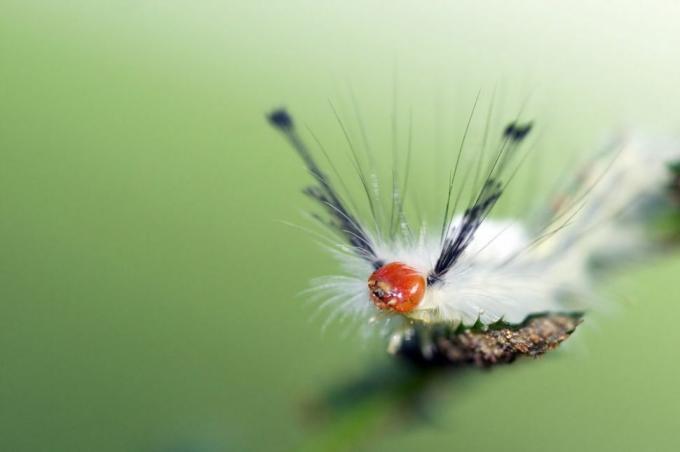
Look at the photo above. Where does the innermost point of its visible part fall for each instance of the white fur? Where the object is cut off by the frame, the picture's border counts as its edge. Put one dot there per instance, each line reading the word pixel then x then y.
pixel 512 270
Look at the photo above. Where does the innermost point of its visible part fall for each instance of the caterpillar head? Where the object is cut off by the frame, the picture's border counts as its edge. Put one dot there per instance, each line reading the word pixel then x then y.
pixel 396 287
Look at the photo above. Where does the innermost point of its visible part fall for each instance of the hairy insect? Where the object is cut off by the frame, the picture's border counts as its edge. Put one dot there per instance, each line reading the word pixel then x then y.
pixel 477 272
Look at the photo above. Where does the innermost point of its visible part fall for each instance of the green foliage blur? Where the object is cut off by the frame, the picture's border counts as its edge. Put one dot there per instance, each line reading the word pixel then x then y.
pixel 148 291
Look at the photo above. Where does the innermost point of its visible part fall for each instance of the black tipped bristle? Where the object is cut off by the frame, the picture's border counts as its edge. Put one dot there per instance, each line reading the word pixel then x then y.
pixel 280 119
pixel 324 193
pixel 517 132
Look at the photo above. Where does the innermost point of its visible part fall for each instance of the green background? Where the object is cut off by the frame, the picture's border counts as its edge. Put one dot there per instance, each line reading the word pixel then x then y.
pixel 148 295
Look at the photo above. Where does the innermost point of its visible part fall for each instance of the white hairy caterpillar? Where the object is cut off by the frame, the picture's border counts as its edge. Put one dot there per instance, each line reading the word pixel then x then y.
pixel 477 272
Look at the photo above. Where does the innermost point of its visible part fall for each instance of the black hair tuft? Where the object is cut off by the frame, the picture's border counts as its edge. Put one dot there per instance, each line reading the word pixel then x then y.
pixel 280 119
pixel 517 132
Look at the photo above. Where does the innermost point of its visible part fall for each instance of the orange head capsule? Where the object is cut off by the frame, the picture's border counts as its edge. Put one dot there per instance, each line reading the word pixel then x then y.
pixel 397 287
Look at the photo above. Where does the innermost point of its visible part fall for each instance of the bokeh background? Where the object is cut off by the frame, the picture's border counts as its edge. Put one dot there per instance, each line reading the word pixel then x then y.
pixel 148 295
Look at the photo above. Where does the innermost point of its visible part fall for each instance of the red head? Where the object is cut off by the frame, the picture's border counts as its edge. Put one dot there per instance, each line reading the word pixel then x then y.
pixel 396 287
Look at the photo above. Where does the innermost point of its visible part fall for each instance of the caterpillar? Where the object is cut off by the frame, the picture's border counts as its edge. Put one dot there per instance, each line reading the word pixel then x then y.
pixel 481 289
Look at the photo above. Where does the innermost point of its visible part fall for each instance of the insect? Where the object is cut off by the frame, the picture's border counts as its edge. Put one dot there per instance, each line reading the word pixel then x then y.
pixel 436 292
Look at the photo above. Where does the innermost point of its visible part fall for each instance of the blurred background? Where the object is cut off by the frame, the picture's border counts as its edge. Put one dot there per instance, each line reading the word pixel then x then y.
pixel 149 295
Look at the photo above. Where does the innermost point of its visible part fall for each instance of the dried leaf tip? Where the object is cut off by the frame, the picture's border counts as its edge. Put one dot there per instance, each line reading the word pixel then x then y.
pixel 501 345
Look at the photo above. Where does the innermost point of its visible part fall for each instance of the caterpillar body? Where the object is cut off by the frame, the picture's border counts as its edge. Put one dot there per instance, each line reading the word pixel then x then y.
pixel 480 272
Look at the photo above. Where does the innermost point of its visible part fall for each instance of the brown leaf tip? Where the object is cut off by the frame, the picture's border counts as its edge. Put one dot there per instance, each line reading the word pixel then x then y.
pixel 536 336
